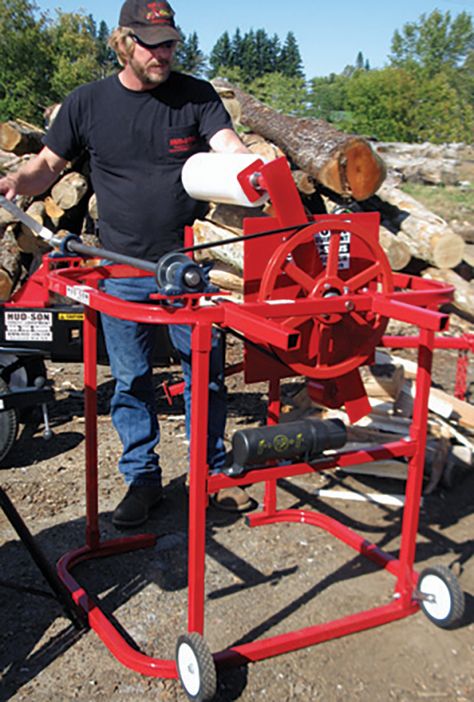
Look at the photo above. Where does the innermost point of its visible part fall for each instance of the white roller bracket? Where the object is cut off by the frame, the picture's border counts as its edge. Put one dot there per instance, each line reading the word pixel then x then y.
pixel 213 178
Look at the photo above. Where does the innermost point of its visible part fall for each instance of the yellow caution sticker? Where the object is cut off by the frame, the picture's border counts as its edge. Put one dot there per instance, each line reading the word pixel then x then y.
pixel 71 316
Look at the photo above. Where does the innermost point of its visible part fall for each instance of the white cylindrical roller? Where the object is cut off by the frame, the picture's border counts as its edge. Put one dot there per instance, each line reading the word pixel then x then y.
pixel 213 178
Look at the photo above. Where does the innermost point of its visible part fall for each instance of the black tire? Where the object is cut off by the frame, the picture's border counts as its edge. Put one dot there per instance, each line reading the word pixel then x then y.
pixel 19 373
pixel 442 598
pixel 8 426
pixel 196 668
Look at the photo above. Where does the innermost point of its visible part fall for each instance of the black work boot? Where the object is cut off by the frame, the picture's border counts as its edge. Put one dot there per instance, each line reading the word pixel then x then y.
pixel 135 507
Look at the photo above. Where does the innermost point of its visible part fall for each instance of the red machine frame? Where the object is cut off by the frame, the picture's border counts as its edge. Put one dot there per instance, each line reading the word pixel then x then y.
pixel 411 300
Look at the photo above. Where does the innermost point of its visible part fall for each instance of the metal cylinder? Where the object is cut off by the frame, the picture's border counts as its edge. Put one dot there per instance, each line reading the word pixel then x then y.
pixel 302 440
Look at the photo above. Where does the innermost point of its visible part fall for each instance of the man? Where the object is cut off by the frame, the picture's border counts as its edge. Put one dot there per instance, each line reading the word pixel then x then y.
pixel 139 127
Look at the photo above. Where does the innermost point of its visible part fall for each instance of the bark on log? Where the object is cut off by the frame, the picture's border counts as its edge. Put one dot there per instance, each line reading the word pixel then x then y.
pixel 346 164
pixel 428 236
pixel 69 191
pixel 20 137
pixel 10 265
pixel 397 251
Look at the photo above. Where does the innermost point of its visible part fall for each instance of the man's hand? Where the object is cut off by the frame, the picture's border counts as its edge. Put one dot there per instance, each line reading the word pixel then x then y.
pixel 8 187
pixel 226 141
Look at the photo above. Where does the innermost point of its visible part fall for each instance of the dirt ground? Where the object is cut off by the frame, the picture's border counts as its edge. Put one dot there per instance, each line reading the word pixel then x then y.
pixel 259 582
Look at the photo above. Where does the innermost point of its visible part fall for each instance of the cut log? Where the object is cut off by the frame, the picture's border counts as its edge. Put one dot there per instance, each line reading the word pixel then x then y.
pixel 231 254
pixel 20 137
pixel 397 251
pixel 53 210
pixel 428 236
pixel 92 208
pixel 346 164
pixel 70 190
pixel 10 264
pixel 383 381
pixel 28 241
pixel 463 290
pixel 258 145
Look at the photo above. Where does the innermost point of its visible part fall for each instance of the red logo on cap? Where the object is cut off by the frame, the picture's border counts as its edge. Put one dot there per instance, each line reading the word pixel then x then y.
pixel 159 13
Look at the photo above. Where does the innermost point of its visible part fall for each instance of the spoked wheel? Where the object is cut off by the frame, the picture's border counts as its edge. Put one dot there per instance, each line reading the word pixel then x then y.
pixel 325 261
pixel 441 597
pixel 8 425
pixel 196 668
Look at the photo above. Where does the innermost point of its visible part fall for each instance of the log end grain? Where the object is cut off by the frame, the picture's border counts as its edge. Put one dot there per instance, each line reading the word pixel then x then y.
pixel 447 250
pixel 365 171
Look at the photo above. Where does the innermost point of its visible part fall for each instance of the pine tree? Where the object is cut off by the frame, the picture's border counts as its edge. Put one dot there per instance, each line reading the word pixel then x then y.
pixel 191 59
pixel 221 55
pixel 290 58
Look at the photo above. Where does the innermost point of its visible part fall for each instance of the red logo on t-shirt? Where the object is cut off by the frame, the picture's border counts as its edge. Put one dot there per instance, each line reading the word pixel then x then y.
pixel 180 144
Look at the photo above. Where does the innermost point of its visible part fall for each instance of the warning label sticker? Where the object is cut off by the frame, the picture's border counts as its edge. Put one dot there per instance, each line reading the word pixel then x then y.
pixel 28 326
pixel 71 316
pixel 322 241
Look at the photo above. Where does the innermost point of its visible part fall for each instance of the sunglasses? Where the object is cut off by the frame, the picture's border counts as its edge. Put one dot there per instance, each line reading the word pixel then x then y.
pixel 161 44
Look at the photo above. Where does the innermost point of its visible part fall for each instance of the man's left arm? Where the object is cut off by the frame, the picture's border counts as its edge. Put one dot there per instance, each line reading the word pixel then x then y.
pixel 226 141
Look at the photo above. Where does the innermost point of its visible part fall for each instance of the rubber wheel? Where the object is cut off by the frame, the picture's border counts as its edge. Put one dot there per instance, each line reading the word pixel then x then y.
pixel 8 425
pixel 196 668
pixel 25 372
pixel 444 604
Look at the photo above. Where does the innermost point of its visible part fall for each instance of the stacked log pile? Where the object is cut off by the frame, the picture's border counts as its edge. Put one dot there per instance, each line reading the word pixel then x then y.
pixel 68 205
pixel 330 169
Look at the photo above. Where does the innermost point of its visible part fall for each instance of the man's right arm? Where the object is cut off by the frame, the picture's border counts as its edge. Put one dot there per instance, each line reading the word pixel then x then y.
pixel 34 177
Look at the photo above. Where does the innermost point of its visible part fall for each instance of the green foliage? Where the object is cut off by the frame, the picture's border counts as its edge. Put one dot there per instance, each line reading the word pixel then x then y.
pixel 255 54
pixel 189 58
pixel 74 53
pixel 282 93
pixel 434 43
pixel 328 96
pixel 24 63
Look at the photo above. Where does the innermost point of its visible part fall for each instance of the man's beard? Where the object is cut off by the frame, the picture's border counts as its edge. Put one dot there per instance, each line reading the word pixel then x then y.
pixel 148 76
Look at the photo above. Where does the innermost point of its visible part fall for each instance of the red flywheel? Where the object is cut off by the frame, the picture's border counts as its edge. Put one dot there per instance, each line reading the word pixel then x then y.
pixel 327 259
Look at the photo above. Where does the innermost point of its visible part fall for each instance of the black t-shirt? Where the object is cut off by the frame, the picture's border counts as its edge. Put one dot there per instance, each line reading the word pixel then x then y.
pixel 138 143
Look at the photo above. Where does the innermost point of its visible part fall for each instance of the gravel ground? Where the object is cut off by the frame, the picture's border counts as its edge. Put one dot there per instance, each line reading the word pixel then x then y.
pixel 259 582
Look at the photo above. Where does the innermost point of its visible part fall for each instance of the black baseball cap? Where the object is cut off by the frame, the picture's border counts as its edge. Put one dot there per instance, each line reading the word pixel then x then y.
pixel 152 22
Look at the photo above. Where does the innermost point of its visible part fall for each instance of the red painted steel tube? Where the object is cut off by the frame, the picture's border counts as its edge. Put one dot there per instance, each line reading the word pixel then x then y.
pixel 414 484
pixel 309 636
pixel 106 631
pixel 464 342
pixel 332 526
pixel 201 350
pixel 90 400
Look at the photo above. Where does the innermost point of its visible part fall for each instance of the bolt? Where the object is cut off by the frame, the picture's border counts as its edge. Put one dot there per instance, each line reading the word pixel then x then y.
pixel 349 305
pixel 326 286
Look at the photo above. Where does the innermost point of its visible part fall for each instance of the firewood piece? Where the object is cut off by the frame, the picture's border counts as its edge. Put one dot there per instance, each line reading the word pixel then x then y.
pixel 27 240
pixel 463 290
pixel 92 208
pixel 231 254
pixel 260 146
pixel 68 191
pixel 10 265
pixel 20 137
pixel 346 164
pixel 53 210
pixel 428 236
pixel 225 277
pixel 382 380
pixel 397 251
pixel 232 216
pixel 304 182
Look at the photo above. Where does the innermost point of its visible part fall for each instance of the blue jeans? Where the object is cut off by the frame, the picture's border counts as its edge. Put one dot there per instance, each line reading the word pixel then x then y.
pixel 130 347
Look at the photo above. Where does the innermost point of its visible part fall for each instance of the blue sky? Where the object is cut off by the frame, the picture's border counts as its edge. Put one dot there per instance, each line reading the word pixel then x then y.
pixel 329 34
